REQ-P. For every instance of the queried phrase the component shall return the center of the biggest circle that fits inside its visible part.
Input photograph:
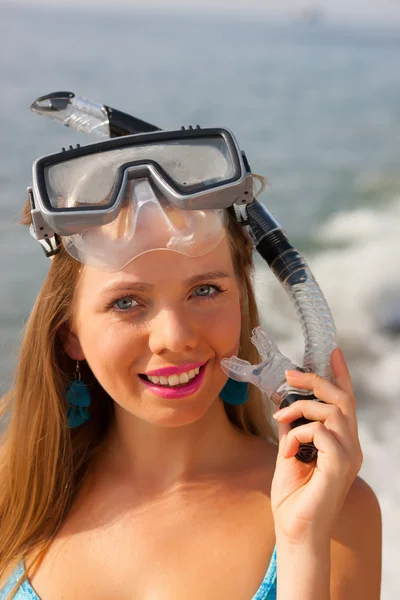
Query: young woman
(128, 472)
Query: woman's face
(162, 310)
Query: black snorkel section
(268, 236)
(122, 124)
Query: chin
(177, 416)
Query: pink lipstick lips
(176, 392)
(174, 370)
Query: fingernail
(293, 373)
(338, 364)
(338, 351)
(280, 412)
(341, 355)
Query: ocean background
(317, 109)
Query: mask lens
(92, 181)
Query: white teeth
(175, 379)
(183, 377)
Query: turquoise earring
(78, 399)
(235, 392)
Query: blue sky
(375, 10)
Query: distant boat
(309, 14)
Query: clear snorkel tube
(272, 244)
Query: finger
(323, 389)
(283, 430)
(317, 433)
(340, 372)
(310, 409)
(328, 414)
(328, 392)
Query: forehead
(160, 268)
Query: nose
(171, 331)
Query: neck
(157, 457)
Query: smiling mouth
(178, 385)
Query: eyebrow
(140, 286)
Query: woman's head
(121, 335)
(163, 309)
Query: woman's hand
(307, 497)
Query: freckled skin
(169, 325)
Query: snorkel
(88, 117)
(269, 240)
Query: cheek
(109, 350)
(224, 329)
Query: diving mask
(115, 200)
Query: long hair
(42, 462)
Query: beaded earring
(78, 399)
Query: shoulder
(356, 546)
(360, 520)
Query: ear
(70, 342)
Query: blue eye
(205, 291)
(123, 303)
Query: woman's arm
(346, 568)
(303, 571)
(356, 546)
(327, 520)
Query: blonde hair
(42, 462)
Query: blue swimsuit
(266, 591)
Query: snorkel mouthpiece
(268, 375)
